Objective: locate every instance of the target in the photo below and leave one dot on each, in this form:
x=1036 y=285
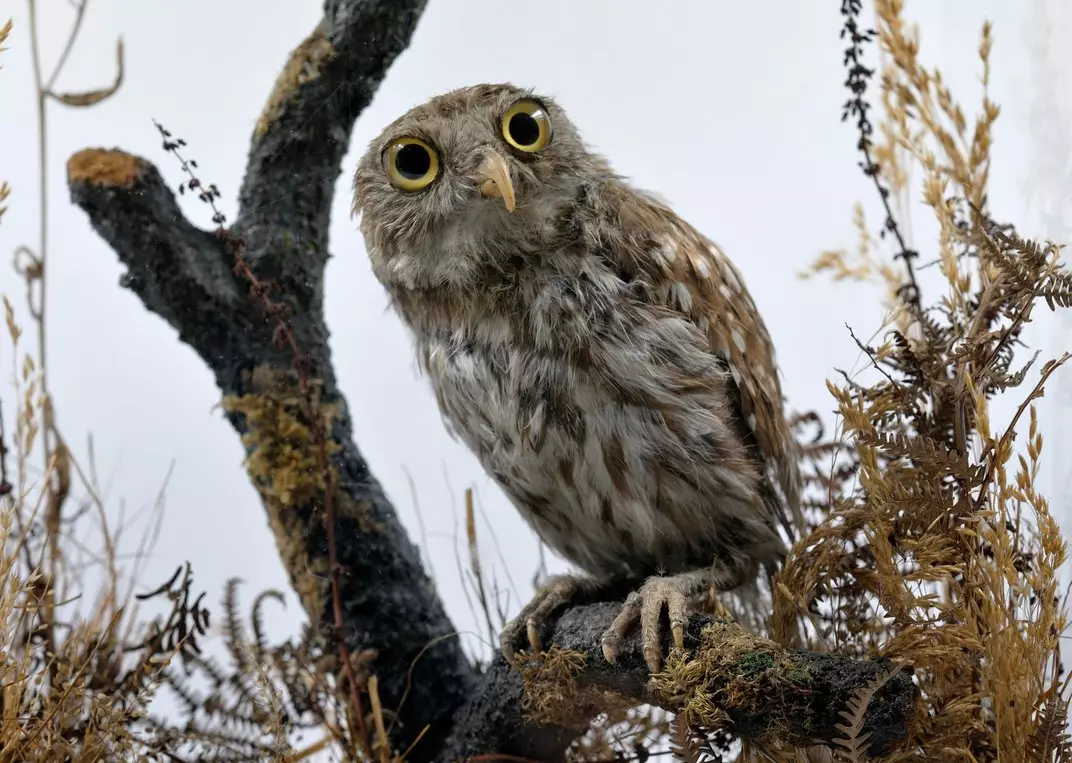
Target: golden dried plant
x=5 y=189
x=933 y=545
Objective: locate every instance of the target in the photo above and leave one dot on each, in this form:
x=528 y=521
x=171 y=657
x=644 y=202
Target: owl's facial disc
x=493 y=179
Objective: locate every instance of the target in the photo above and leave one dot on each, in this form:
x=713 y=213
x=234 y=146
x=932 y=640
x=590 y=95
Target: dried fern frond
x=854 y=745
x=1050 y=742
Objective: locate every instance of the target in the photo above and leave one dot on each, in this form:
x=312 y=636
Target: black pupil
x=524 y=129
x=413 y=161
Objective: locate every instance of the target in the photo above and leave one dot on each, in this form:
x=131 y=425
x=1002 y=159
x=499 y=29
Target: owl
x=602 y=359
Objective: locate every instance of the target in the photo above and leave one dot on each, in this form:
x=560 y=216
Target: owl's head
x=464 y=184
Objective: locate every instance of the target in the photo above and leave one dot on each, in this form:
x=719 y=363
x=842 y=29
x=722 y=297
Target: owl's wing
x=688 y=273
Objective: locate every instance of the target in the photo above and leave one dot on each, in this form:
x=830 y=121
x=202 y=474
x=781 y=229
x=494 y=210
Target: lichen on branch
x=101 y=167
x=281 y=460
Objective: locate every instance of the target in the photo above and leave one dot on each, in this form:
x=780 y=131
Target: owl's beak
x=494 y=179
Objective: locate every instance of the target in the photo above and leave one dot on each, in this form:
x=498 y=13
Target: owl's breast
x=530 y=419
x=587 y=424
x=502 y=399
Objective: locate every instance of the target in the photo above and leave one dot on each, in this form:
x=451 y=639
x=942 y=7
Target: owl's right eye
x=411 y=164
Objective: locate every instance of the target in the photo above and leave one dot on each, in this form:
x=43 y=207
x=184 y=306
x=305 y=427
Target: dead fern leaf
x=1051 y=743
x=854 y=745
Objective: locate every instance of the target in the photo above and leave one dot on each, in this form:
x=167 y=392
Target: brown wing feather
x=689 y=273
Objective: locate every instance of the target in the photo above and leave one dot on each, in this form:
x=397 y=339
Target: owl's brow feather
x=463 y=101
x=416 y=131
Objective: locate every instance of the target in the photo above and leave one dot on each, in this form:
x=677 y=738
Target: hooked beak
x=494 y=179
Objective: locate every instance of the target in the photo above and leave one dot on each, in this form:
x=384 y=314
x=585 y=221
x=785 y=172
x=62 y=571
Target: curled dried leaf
x=93 y=97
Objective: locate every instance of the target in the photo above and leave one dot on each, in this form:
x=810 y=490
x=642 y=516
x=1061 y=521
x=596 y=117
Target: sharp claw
x=506 y=645
x=611 y=640
x=646 y=606
x=679 y=636
x=551 y=597
x=678 y=612
x=610 y=649
x=653 y=657
x=533 y=635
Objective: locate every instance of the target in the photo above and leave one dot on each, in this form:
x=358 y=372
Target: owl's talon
x=534 y=635
x=678 y=632
x=677 y=610
x=524 y=630
x=612 y=638
x=645 y=606
x=507 y=639
x=610 y=649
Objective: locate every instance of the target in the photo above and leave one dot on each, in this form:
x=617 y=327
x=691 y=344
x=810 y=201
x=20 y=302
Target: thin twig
x=76 y=27
x=858 y=107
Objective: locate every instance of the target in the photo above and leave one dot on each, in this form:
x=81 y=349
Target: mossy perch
x=727 y=678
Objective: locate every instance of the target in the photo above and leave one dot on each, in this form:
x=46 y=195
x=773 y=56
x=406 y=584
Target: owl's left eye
x=526 y=126
x=411 y=164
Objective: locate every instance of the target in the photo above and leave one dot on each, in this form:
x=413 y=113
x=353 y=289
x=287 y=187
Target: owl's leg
x=674 y=593
x=556 y=593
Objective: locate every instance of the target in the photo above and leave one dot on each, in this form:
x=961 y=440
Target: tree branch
x=180 y=272
x=389 y=605
x=303 y=133
x=185 y=276
x=750 y=685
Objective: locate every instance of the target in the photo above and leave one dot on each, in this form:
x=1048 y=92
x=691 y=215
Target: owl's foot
x=555 y=594
x=645 y=605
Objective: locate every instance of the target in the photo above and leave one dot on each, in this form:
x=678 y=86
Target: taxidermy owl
x=601 y=358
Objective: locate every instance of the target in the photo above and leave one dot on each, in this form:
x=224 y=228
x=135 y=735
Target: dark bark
x=185 y=276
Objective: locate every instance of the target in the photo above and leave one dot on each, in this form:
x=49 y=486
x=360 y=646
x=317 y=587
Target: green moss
x=799 y=675
x=734 y=672
x=754 y=663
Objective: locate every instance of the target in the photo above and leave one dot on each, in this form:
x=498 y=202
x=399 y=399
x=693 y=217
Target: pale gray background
x=751 y=90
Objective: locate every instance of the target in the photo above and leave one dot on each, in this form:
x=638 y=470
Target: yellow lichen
x=346 y=508
x=283 y=460
x=103 y=167
x=285 y=466
x=304 y=65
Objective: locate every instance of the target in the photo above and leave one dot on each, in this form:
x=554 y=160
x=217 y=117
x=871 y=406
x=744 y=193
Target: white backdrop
x=753 y=89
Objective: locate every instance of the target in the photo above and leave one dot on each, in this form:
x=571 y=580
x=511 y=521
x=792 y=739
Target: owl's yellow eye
x=411 y=164
x=526 y=126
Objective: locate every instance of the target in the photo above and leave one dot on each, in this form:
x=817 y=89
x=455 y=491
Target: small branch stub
x=102 y=167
